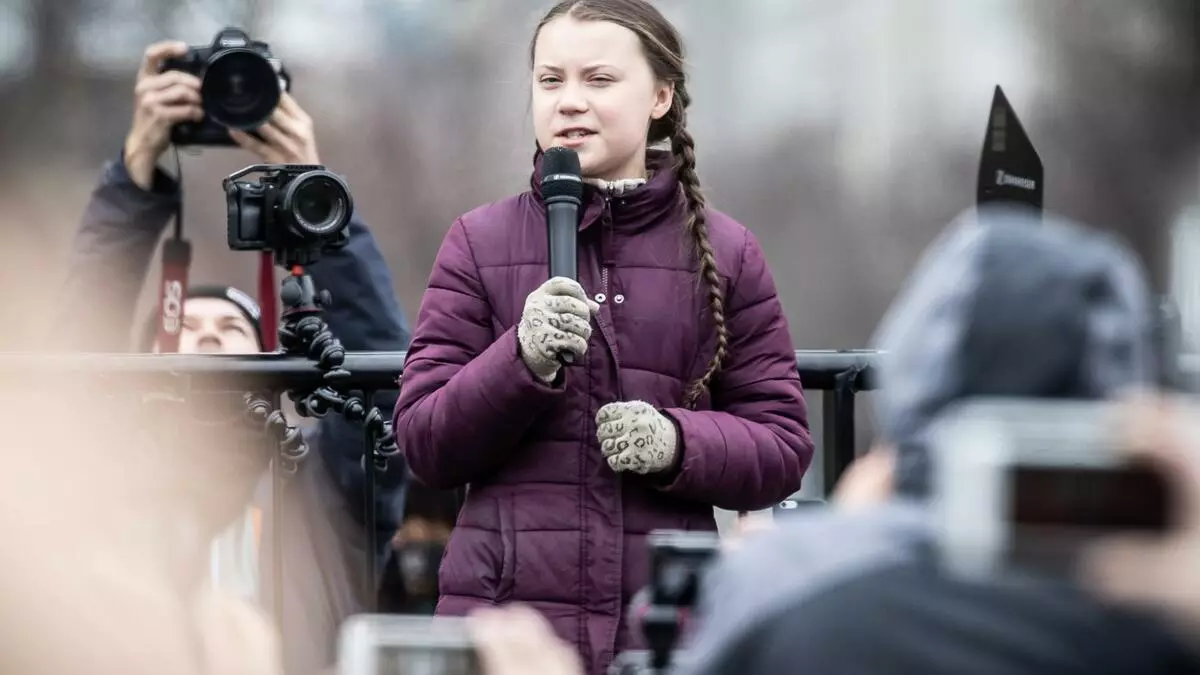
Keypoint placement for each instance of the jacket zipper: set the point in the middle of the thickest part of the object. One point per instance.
(605, 253)
(605, 224)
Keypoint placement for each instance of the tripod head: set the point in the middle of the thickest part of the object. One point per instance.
(303, 332)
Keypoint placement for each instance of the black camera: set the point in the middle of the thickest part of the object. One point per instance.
(298, 211)
(678, 562)
(240, 86)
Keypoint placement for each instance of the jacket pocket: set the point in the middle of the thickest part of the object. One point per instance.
(508, 550)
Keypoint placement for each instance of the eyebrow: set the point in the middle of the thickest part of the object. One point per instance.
(587, 70)
(228, 321)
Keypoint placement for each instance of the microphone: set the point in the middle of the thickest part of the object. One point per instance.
(562, 191)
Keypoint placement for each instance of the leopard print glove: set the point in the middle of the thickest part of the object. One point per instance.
(556, 318)
(636, 437)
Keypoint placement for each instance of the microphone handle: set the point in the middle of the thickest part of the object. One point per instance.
(562, 229)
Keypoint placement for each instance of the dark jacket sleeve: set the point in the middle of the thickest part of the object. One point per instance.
(365, 316)
(109, 258)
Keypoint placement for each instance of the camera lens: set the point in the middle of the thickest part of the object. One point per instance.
(240, 89)
(318, 204)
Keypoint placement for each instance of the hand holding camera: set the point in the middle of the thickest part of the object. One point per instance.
(160, 101)
(230, 93)
(514, 640)
(286, 138)
(1158, 571)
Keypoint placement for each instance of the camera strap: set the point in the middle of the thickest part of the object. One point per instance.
(172, 291)
(173, 286)
(268, 302)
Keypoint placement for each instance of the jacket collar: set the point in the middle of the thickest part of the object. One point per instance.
(635, 209)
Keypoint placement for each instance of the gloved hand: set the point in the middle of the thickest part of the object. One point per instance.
(557, 317)
(636, 437)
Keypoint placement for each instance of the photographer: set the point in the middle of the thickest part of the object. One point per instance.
(322, 517)
(1020, 307)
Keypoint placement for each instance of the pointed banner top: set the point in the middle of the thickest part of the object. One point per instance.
(1010, 170)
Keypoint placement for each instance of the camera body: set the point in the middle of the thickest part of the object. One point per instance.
(240, 86)
(678, 562)
(297, 211)
(379, 644)
(1029, 484)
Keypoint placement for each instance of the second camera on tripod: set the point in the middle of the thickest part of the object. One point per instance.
(297, 211)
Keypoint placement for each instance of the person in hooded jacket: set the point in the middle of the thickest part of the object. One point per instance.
(1003, 304)
(684, 395)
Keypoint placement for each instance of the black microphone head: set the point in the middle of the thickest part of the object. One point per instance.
(560, 174)
(1010, 170)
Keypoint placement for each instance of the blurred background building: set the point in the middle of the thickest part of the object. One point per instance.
(845, 133)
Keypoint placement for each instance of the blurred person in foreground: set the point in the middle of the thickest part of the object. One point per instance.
(322, 519)
(1004, 305)
(104, 524)
(113, 598)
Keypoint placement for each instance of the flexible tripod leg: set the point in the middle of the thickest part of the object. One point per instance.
(304, 332)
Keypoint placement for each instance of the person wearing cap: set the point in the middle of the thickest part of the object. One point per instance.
(217, 320)
(322, 519)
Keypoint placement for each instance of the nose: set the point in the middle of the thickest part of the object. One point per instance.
(572, 99)
(209, 343)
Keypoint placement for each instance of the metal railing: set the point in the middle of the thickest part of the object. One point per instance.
(839, 375)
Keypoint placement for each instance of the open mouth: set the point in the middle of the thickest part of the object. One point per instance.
(576, 134)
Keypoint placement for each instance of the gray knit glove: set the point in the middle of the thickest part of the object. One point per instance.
(636, 437)
(557, 317)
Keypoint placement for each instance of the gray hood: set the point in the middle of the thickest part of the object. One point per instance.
(1009, 304)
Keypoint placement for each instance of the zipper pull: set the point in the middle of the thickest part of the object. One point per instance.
(606, 250)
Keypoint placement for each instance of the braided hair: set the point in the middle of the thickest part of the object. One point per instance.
(663, 48)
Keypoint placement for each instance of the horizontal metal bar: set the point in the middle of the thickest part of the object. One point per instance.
(369, 370)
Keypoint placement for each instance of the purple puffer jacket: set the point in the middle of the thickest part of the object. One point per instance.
(546, 521)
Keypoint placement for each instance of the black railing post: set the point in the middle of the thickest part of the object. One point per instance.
(370, 476)
(837, 425)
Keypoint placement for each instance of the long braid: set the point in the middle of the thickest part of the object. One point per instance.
(684, 148)
(664, 50)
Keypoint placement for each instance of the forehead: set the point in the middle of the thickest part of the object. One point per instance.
(212, 309)
(567, 41)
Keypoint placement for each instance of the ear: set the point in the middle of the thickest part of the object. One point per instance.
(664, 96)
